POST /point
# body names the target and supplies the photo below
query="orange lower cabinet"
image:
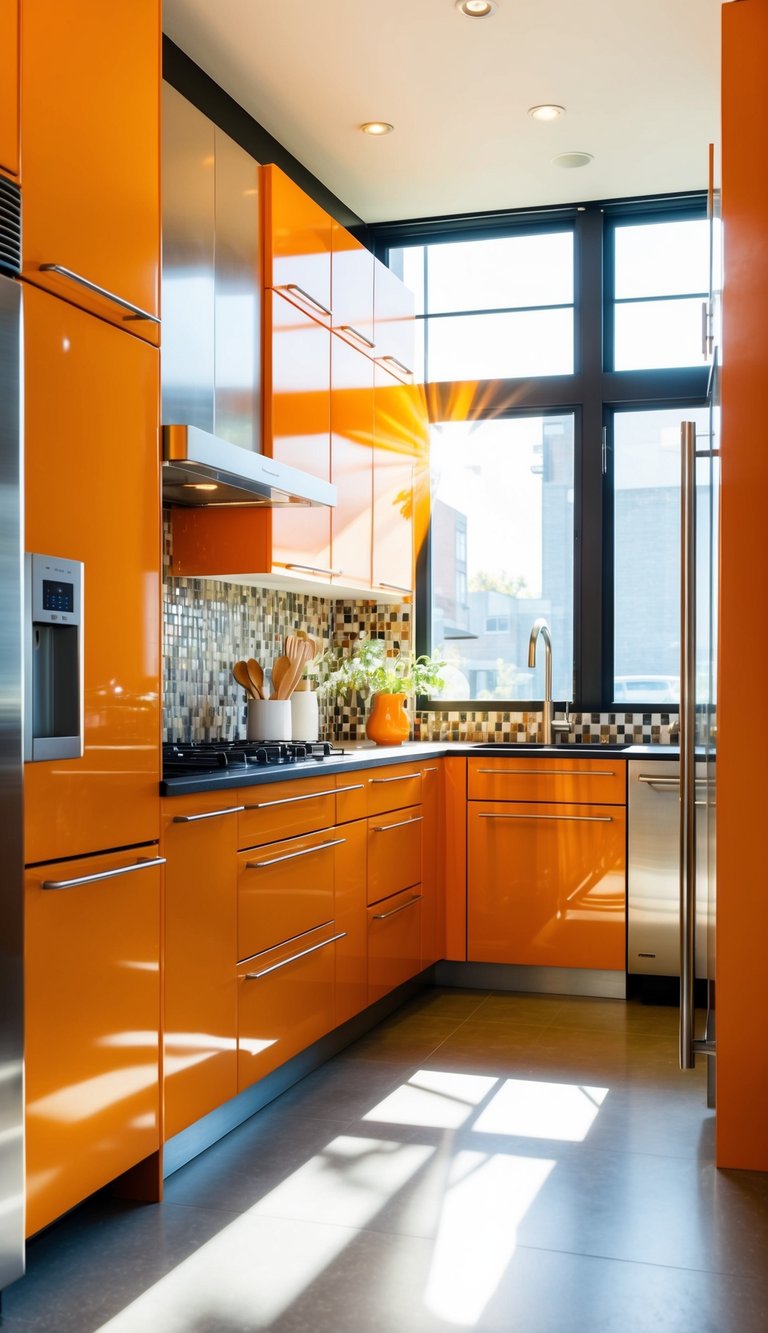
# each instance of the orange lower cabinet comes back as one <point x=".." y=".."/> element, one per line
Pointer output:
<point x="351" y="797"/>
<point x="285" y="1002"/>
<point x="433" y="894"/>
<point x="351" y="918"/>
<point x="199" y="984"/>
<point x="281" y="809"/>
<point x="394" y="852"/>
<point x="546" y="885"/>
<point x="285" y="889"/>
<point x="92" y="999"/>
<point x="394" y="942"/>
<point x="393" y="787"/>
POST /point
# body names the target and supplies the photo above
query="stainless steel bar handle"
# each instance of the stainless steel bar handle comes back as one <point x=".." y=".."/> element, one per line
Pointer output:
<point x="315" y="569"/>
<point x="292" y="856"/>
<point x="401" y="777"/>
<point x="402" y="823"/>
<point x="210" y="814"/>
<point x="430" y="770"/>
<point x="356" y="786"/>
<point x="394" y="587"/>
<point x="550" y="772"/>
<point x="306" y="296"/>
<point x="687" y="739"/>
<point x="665" y="783"/>
<point x="290" y="800"/>
<point x="382" y="916"/>
<point x="256" y="976"/>
<point x="355" y="333"/>
<point x="99" y="291"/>
<point x="394" y="361"/>
<point x="102" y="874"/>
<point x="569" y="819"/>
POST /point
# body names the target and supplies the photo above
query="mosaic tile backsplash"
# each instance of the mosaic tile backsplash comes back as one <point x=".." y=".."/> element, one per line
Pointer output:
<point x="210" y="624"/>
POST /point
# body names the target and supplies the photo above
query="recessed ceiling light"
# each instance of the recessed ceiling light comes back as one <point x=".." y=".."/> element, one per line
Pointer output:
<point x="377" y="127"/>
<point x="572" y="160"/>
<point x="476" y="9"/>
<point x="547" y="111"/>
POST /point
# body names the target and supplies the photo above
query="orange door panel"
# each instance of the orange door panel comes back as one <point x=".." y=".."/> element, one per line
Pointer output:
<point x="282" y="809"/>
<point x="529" y="778"/>
<point x="351" y="797"/>
<point x="297" y="244"/>
<point x="432" y="883"/>
<point x="9" y="87"/>
<point x="91" y="141"/>
<point x="351" y="919"/>
<point x="351" y="464"/>
<point x="352" y="290"/>
<point x="392" y="787"/>
<point x="396" y="444"/>
<point x="92" y="998"/>
<point x="200" y="987"/>
<point x="284" y="890"/>
<point x="394" y="942"/>
<point x="393" y="315"/>
<point x="92" y="494"/>
<point x="394" y="852"/>
<point x="546" y="884"/>
<point x="285" y="1002"/>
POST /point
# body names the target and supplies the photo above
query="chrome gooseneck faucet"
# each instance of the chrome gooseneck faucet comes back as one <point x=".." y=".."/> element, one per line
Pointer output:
<point x="542" y="628"/>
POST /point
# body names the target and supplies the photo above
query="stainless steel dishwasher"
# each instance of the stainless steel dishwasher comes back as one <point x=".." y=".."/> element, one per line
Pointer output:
<point x="653" y="885"/>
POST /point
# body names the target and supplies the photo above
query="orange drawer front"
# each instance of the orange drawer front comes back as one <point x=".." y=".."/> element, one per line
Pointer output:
<point x="285" y="889"/>
<point x="282" y="809"/>
<point x="392" y="788"/>
<point x="394" y="852"/>
<point x="394" y="942"/>
<point x="532" y="779"/>
<point x="285" y="1002"/>
<point x="351" y="797"/>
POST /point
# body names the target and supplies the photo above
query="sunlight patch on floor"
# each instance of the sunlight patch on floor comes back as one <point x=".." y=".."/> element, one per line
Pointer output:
<point x="528" y="1109"/>
<point x="433" y="1099"/>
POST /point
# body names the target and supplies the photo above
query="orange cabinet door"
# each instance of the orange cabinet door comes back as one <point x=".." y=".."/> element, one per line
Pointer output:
<point x="529" y="778"/>
<point x="432" y="882"/>
<point x="92" y="998"/>
<point x="199" y="983"/>
<point x="351" y="464"/>
<point x="392" y="787"/>
<point x="396" y="440"/>
<point x="394" y="852"/>
<point x="393" y="316"/>
<point x="394" y="942"/>
<point x="92" y="494"/>
<point x="352" y="290"/>
<point x="546" y="884"/>
<point x="285" y="889"/>
<point x="351" y="797"/>
<point x="9" y="87"/>
<point x="297" y="244"/>
<point x="285" y="1002"/>
<point x="282" y="809"/>
<point x="90" y="117"/>
<point x="352" y="921"/>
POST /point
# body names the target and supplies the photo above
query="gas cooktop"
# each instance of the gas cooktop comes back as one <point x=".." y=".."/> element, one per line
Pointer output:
<point x="202" y="757"/>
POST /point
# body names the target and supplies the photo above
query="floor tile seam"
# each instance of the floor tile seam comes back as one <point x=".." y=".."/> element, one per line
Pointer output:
<point x="736" y="1274"/>
<point x="372" y="1227"/>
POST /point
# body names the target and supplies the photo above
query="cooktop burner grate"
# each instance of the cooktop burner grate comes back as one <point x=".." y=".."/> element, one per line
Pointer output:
<point x="213" y="756"/>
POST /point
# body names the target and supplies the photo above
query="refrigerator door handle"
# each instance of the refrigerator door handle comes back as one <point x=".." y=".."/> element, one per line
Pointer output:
<point x="102" y="874"/>
<point x="687" y="740"/>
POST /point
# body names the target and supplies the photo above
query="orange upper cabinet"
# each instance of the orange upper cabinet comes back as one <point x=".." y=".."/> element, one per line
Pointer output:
<point x="352" y="290"/>
<point x="90" y="139"/>
<point x="92" y="494"/>
<point x="351" y="464"/>
<point x="393" y="321"/>
<point x="398" y="429"/>
<point x="297" y="245"/>
<point x="9" y="87"/>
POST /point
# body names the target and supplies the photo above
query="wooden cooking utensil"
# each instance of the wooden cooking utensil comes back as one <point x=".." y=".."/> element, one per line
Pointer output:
<point x="256" y="675"/>
<point x="279" y="668"/>
<point x="297" y="651"/>
<point x="242" y="676"/>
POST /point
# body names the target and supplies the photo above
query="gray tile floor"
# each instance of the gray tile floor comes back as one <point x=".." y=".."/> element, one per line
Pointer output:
<point x="478" y="1162"/>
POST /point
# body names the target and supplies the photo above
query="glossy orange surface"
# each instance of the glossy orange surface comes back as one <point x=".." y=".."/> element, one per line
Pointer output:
<point x="283" y="809"/>
<point x="742" y="906"/>
<point x="92" y="1000"/>
<point x="352" y="290"/>
<point x="432" y="863"/>
<point x="200" y="949"/>
<point x="393" y="786"/>
<point x="394" y="942"/>
<point x="351" y="463"/>
<point x="394" y="852"/>
<point x="284" y="890"/>
<point x="398" y="440"/>
<point x="529" y="778"/>
<point x="91" y="143"/>
<point x="297" y="244"/>
<point x="9" y="87"/>
<point x="285" y="1010"/>
<point x="351" y="797"/>
<point x="92" y="494"/>
<point x="455" y="852"/>
<point x="352" y="951"/>
<point x="546" y="884"/>
<point x="393" y="322"/>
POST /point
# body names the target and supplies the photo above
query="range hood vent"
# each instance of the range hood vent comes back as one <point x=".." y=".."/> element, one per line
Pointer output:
<point x="201" y="469"/>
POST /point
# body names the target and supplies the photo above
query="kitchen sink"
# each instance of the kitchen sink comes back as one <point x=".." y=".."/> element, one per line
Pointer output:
<point x="536" y="747"/>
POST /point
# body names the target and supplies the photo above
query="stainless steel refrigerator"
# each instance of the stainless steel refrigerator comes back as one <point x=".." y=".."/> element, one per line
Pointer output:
<point x="11" y="787"/>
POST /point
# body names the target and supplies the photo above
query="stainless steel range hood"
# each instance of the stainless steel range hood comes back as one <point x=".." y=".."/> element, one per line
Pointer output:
<point x="201" y="469"/>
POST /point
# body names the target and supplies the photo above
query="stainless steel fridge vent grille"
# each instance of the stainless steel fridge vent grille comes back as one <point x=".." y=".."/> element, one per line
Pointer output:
<point x="10" y="226"/>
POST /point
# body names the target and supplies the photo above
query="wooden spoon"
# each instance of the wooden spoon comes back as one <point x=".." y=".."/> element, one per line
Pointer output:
<point x="279" y="668"/>
<point x="242" y="676"/>
<point x="256" y="675"/>
<point x="297" y="652"/>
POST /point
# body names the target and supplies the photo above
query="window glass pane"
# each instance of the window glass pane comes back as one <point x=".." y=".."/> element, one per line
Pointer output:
<point x="502" y="272"/>
<point x="487" y="347"/>
<point x="662" y="259"/>
<point x="407" y="262"/>
<point x="508" y="484"/>
<point x="647" y="554"/>
<point x="655" y="334"/>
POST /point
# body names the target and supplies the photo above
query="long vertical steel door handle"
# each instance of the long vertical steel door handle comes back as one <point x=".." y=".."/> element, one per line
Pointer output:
<point x="687" y="739"/>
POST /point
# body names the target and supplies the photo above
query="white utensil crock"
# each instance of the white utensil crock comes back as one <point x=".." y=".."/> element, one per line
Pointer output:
<point x="269" y="720"/>
<point x="305" y="723"/>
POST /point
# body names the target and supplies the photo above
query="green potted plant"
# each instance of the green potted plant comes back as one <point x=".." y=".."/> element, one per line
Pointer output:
<point x="387" y="679"/>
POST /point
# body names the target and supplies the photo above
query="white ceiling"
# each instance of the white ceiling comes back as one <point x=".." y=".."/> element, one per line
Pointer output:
<point x="640" y="82"/>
